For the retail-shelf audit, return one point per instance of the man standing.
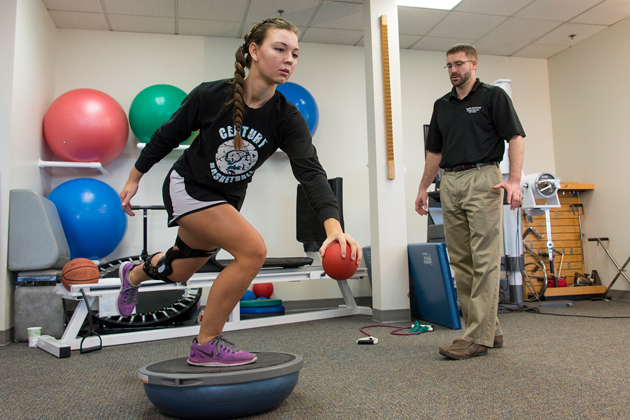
(466, 138)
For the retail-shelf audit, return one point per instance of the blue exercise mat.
(263, 309)
(432, 293)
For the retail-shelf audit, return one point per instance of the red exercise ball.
(263, 290)
(86, 125)
(336, 267)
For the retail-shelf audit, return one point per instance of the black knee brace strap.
(163, 269)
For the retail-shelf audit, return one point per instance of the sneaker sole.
(219, 364)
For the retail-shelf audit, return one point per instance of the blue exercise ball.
(304, 101)
(91, 215)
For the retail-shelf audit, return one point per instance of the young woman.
(242, 122)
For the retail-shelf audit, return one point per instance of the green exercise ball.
(152, 107)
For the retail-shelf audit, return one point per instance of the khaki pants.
(473, 214)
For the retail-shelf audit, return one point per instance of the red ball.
(263, 290)
(79, 271)
(336, 267)
(86, 125)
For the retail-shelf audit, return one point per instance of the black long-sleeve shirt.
(211, 160)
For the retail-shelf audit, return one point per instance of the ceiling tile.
(144, 24)
(406, 41)
(201, 27)
(93, 6)
(298, 12)
(605, 13)
(161, 8)
(229, 10)
(561, 10)
(337, 15)
(512, 35)
(498, 27)
(540, 51)
(79, 20)
(492, 7)
(561, 35)
(332, 36)
(431, 43)
(466, 25)
(418, 21)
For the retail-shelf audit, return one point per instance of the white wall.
(122, 64)
(590, 113)
(31, 92)
(7, 53)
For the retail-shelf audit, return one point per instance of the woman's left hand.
(356, 253)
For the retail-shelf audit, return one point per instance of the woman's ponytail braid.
(238, 105)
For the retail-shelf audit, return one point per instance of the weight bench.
(109, 287)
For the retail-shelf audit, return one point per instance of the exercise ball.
(304, 101)
(152, 107)
(79, 271)
(336, 267)
(86, 125)
(91, 216)
(263, 290)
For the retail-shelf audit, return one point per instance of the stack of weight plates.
(261, 308)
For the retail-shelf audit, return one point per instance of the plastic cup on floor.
(33, 335)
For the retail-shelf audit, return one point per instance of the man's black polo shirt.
(472, 130)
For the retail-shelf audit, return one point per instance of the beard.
(463, 78)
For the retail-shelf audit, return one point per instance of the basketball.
(336, 267)
(79, 271)
(263, 290)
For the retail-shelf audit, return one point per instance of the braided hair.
(243, 60)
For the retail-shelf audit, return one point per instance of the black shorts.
(182, 197)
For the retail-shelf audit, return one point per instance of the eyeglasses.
(457, 64)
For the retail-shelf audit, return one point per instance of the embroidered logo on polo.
(235, 165)
(473, 109)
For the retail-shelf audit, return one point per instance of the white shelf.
(180, 147)
(59, 164)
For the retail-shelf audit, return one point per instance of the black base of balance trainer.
(196, 392)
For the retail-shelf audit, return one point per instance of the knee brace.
(163, 269)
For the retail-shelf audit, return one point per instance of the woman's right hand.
(129, 190)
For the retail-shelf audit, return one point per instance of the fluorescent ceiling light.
(429, 4)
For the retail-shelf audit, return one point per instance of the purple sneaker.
(218, 352)
(128, 296)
